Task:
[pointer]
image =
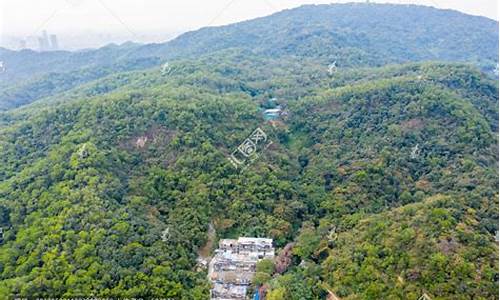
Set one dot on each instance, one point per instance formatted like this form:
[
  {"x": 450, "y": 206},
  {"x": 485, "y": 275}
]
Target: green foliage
[
  {"x": 277, "y": 294},
  {"x": 265, "y": 266},
  {"x": 294, "y": 286},
  {"x": 351, "y": 34},
  {"x": 307, "y": 242},
  {"x": 396, "y": 252},
  {"x": 261, "y": 278},
  {"x": 110, "y": 189}
]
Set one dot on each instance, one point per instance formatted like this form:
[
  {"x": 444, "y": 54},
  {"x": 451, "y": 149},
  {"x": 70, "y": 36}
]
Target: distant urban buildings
[
  {"x": 78, "y": 40},
  {"x": 53, "y": 42},
  {"x": 47, "y": 43}
]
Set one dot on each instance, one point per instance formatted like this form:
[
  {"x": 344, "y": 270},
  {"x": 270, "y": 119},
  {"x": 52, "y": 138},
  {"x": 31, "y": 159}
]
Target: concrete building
[
  {"x": 54, "y": 45},
  {"x": 272, "y": 114},
  {"x": 43, "y": 41},
  {"x": 46, "y": 44},
  {"x": 232, "y": 269}
]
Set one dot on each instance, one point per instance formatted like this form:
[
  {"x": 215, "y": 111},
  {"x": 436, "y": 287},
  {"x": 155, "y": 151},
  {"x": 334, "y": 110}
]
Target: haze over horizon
[{"x": 115, "y": 21}]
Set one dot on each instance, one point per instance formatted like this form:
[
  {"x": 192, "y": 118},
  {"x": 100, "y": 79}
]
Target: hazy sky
[{"x": 134, "y": 17}]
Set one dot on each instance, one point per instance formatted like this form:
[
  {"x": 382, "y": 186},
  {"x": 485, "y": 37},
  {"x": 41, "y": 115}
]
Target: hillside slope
[
  {"x": 352, "y": 35},
  {"x": 89, "y": 186}
]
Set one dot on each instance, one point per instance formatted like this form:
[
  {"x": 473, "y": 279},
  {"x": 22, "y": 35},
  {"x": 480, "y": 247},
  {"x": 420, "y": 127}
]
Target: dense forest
[
  {"x": 352, "y": 35},
  {"x": 382, "y": 176}
]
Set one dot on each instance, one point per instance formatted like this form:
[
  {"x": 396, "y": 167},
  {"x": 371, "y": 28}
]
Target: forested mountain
[
  {"x": 351, "y": 34},
  {"x": 384, "y": 177},
  {"x": 354, "y": 34}
]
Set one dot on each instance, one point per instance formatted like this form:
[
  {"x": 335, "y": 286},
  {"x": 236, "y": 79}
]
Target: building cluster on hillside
[{"x": 233, "y": 266}]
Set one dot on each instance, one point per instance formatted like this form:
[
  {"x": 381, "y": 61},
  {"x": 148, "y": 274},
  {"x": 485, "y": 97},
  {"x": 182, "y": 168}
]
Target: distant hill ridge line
[{"x": 353, "y": 34}]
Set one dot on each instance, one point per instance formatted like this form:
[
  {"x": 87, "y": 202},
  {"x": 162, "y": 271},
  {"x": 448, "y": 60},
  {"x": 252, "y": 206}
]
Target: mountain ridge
[{"x": 353, "y": 35}]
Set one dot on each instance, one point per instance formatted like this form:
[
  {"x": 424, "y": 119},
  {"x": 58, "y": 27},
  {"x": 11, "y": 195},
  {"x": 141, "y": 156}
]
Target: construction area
[{"x": 233, "y": 266}]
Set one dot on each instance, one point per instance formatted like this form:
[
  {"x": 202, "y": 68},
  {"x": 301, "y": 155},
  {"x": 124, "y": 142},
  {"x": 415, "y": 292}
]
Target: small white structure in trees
[
  {"x": 165, "y": 235},
  {"x": 332, "y": 68},
  {"x": 414, "y": 152}
]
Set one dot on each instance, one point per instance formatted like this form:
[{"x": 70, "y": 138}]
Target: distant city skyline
[
  {"x": 46, "y": 42},
  {"x": 94, "y": 23},
  {"x": 84, "y": 39}
]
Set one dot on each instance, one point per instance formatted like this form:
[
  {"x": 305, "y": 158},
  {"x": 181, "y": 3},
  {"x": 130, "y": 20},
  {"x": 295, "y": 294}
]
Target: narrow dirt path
[{"x": 204, "y": 252}]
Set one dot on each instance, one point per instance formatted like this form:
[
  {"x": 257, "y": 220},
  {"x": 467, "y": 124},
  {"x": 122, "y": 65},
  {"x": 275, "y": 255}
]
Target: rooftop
[{"x": 233, "y": 265}]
